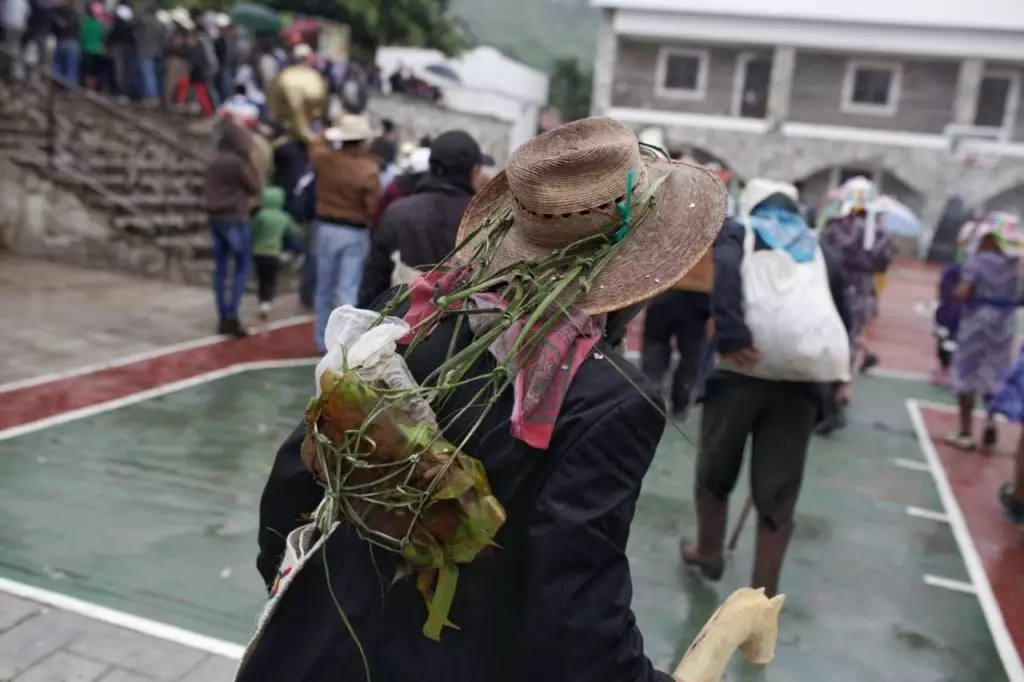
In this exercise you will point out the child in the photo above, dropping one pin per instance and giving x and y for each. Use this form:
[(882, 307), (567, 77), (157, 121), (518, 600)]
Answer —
[(988, 288), (270, 226)]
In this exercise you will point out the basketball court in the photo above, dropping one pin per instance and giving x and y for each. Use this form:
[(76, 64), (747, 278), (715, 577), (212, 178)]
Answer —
[(129, 493)]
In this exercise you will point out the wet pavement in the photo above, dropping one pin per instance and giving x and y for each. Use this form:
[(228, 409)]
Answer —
[(106, 502), (58, 318)]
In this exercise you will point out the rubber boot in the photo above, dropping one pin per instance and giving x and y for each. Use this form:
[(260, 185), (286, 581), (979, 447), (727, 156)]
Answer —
[(770, 552), (707, 554)]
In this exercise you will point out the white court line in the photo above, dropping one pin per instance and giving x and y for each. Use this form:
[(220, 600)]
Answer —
[(953, 409), (124, 401), (911, 464), (929, 514), (145, 355), (120, 619), (902, 375), (950, 584), (989, 606)]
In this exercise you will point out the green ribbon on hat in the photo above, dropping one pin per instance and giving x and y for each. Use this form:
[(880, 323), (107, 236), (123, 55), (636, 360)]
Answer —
[(625, 208)]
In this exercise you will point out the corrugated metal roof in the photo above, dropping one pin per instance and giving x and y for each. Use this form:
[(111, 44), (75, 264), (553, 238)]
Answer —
[(996, 15)]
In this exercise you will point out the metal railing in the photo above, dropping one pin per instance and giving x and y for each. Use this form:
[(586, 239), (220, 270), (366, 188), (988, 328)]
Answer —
[(75, 133)]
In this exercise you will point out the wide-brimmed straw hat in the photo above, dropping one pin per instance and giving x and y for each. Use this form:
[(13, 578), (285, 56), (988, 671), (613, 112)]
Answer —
[(349, 128), (563, 186)]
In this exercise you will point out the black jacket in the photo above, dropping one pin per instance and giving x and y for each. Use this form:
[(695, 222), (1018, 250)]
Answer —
[(291, 163), (421, 229), (553, 604), (731, 331)]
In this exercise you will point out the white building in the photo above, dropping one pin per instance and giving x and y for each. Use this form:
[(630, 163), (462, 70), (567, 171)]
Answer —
[(923, 96), (491, 84)]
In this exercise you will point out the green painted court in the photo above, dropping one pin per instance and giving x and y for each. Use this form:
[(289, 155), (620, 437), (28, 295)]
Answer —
[(150, 508)]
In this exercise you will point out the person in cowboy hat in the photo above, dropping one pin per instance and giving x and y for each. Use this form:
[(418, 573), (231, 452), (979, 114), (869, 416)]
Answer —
[(778, 416), (566, 452), (347, 192)]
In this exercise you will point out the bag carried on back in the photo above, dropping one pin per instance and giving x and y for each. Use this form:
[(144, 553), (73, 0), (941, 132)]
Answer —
[(789, 310)]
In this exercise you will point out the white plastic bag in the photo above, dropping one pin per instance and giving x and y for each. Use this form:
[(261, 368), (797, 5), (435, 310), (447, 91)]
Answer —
[(354, 339), (789, 310)]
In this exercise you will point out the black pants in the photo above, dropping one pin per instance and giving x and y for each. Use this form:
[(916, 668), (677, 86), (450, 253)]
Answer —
[(267, 268), (780, 417), (679, 316)]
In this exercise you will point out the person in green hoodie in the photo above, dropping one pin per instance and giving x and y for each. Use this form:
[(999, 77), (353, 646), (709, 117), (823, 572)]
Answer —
[(92, 34), (270, 226)]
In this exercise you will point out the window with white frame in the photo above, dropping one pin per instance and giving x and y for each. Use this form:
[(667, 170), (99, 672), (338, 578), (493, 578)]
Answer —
[(998, 94), (681, 74), (872, 88)]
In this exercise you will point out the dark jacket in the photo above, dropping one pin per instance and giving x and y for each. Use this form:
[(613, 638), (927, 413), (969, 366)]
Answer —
[(121, 33), (149, 34), (402, 186), (65, 23), (291, 162), (731, 331), (553, 604), (420, 228), (231, 177)]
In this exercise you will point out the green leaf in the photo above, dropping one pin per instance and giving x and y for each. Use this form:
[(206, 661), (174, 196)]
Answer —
[(441, 603)]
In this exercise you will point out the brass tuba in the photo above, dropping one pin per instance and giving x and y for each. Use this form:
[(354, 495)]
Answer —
[(297, 96)]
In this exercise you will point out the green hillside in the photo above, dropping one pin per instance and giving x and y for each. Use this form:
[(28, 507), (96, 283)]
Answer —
[(533, 31)]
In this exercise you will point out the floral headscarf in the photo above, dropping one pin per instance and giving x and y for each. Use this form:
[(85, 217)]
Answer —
[(1004, 227), (859, 193)]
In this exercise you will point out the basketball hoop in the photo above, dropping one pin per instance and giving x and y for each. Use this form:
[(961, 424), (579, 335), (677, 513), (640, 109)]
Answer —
[(974, 147)]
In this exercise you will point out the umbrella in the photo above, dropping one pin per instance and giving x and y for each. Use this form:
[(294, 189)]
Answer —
[(895, 218), (257, 18), (444, 70)]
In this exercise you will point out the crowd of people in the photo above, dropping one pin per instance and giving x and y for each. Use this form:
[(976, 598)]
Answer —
[(341, 202), (181, 59)]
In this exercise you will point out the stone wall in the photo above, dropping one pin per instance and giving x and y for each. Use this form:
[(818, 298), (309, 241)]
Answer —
[(416, 118), (42, 217)]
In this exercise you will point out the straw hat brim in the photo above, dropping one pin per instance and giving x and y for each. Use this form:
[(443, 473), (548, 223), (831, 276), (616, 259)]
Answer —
[(688, 213)]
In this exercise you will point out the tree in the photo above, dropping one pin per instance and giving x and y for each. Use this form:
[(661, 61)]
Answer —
[(569, 89), (372, 23)]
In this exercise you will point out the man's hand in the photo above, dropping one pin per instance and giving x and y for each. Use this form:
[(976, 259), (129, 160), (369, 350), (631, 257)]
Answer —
[(745, 358)]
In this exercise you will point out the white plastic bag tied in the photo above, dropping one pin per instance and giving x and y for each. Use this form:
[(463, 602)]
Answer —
[(354, 339)]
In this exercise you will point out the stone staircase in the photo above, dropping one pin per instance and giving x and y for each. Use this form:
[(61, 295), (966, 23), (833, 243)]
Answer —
[(123, 168), (88, 181)]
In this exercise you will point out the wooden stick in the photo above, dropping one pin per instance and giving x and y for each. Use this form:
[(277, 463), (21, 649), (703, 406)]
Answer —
[(740, 522)]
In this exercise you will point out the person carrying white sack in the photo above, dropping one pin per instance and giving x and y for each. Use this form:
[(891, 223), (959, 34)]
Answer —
[(781, 334)]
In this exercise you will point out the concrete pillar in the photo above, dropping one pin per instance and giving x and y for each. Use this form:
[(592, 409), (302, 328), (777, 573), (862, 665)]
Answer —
[(604, 64), (966, 104), (783, 66)]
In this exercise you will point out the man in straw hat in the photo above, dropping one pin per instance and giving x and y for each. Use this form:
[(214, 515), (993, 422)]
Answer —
[(347, 192), (753, 394), (579, 231)]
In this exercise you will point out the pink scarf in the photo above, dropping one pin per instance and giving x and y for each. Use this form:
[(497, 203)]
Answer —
[(540, 386)]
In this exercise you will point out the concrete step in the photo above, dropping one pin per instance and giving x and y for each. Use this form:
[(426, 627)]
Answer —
[(162, 224), (152, 201)]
